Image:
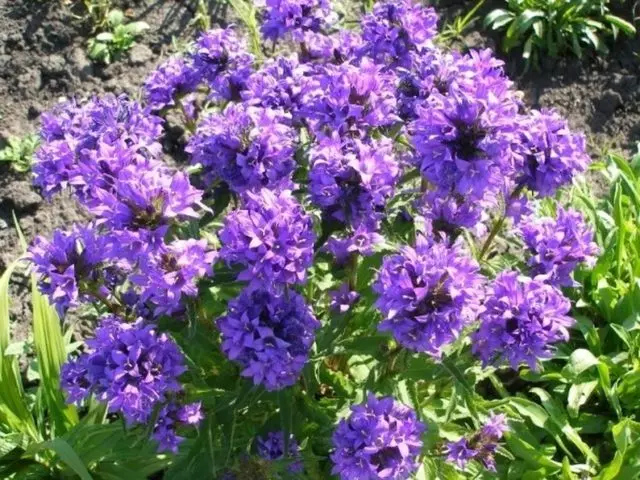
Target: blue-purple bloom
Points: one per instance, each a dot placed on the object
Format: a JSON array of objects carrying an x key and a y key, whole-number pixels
[
  {"x": 69, "y": 267},
  {"x": 396, "y": 28},
  {"x": 428, "y": 294},
  {"x": 85, "y": 146},
  {"x": 171, "y": 273},
  {"x": 271, "y": 236},
  {"x": 463, "y": 143},
  {"x": 174, "y": 77},
  {"x": 343, "y": 298},
  {"x": 246, "y": 147},
  {"x": 550, "y": 154},
  {"x": 171, "y": 417},
  {"x": 349, "y": 99},
  {"x": 381, "y": 439},
  {"x": 449, "y": 214},
  {"x": 221, "y": 58},
  {"x": 557, "y": 246},
  {"x": 522, "y": 319},
  {"x": 294, "y": 17},
  {"x": 269, "y": 335},
  {"x": 481, "y": 446},
  {"x": 271, "y": 447},
  {"x": 130, "y": 367},
  {"x": 351, "y": 180}
]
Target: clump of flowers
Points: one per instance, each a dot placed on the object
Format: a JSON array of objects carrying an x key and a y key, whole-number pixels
[
  {"x": 381, "y": 438},
  {"x": 271, "y": 237},
  {"x": 480, "y": 446},
  {"x": 557, "y": 246},
  {"x": 272, "y": 447},
  {"x": 269, "y": 336},
  {"x": 550, "y": 154},
  {"x": 246, "y": 147},
  {"x": 396, "y": 29},
  {"x": 522, "y": 319},
  {"x": 174, "y": 77},
  {"x": 294, "y": 18},
  {"x": 170, "y": 419},
  {"x": 130, "y": 367},
  {"x": 428, "y": 294},
  {"x": 69, "y": 266}
]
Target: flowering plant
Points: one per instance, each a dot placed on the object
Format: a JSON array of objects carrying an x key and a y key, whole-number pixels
[{"x": 363, "y": 258}]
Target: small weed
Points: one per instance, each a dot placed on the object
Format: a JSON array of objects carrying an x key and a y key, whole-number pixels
[
  {"x": 109, "y": 45},
  {"x": 455, "y": 30},
  {"x": 20, "y": 151}
]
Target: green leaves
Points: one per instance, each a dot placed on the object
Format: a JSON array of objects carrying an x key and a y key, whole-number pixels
[
  {"x": 19, "y": 152},
  {"x": 555, "y": 27},
  {"x": 109, "y": 45}
]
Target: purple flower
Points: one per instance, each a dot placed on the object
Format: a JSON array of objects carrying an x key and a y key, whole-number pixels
[
  {"x": 271, "y": 447},
  {"x": 481, "y": 446},
  {"x": 130, "y": 367},
  {"x": 428, "y": 294},
  {"x": 221, "y": 58},
  {"x": 171, "y": 273},
  {"x": 343, "y": 298},
  {"x": 279, "y": 84},
  {"x": 381, "y": 439},
  {"x": 269, "y": 336},
  {"x": 460, "y": 453},
  {"x": 550, "y": 153},
  {"x": 69, "y": 266},
  {"x": 171, "y": 417},
  {"x": 246, "y": 147},
  {"x": 145, "y": 198},
  {"x": 84, "y": 147},
  {"x": 362, "y": 241},
  {"x": 174, "y": 77},
  {"x": 523, "y": 318},
  {"x": 451, "y": 213},
  {"x": 396, "y": 28},
  {"x": 463, "y": 143},
  {"x": 348, "y": 99},
  {"x": 271, "y": 236},
  {"x": 351, "y": 180},
  {"x": 295, "y": 17},
  {"x": 557, "y": 246}
]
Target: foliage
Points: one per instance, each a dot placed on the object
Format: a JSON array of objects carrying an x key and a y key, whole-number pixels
[
  {"x": 108, "y": 45},
  {"x": 354, "y": 273},
  {"x": 19, "y": 152},
  {"x": 455, "y": 30},
  {"x": 556, "y": 27}
]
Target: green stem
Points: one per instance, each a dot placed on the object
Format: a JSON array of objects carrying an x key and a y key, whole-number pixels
[
  {"x": 467, "y": 391},
  {"x": 497, "y": 226}
]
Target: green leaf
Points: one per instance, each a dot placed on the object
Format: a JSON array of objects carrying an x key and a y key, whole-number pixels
[
  {"x": 560, "y": 419},
  {"x": 622, "y": 24},
  {"x": 115, "y": 17},
  {"x": 579, "y": 394},
  {"x": 15, "y": 412},
  {"x": 66, "y": 454},
  {"x": 579, "y": 361},
  {"x": 136, "y": 28},
  {"x": 105, "y": 37}
]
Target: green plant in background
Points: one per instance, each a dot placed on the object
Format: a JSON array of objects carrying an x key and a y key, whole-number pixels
[
  {"x": 109, "y": 45},
  {"x": 555, "y": 27},
  {"x": 455, "y": 30},
  {"x": 19, "y": 152}
]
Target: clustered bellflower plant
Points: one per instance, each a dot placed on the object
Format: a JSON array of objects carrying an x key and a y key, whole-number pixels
[{"x": 342, "y": 218}]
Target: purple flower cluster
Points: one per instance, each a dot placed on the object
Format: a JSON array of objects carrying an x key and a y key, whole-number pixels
[
  {"x": 352, "y": 180},
  {"x": 221, "y": 59},
  {"x": 397, "y": 28},
  {"x": 174, "y": 77},
  {"x": 349, "y": 99},
  {"x": 130, "y": 367},
  {"x": 269, "y": 335},
  {"x": 271, "y": 447},
  {"x": 522, "y": 319},
  {"x": 481, "y": 446},
  {"x": 246, "y": 147},
  {"x": 381, "y": 439},
  {"x": 272, "y": 237},
  {"x": 428, "y": 294},
  {"x": 171, "y": 417},
  {"x": 550, "y": 154},
  {"x": 171, "y": 272},
  {"x": 294, "y": 18},
  {"x": 69, "y": 267},
  {"x": 557, "y": 246}
]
